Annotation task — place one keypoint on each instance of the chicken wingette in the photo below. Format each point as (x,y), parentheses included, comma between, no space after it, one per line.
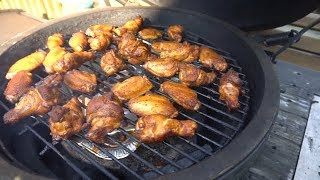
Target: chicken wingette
(52,58)
(55,40)
(99,29)
(81,81)
(150,34)
(210,58)
(150,104)
(162,67)
(111,64)
(156,128)
(230,89)
(99,42)
(182,95)
(66,120)
(175,33)
(27,63)
(190,75)
(79,41)
(186,53)
(132,26)
(18,86)
(165,46)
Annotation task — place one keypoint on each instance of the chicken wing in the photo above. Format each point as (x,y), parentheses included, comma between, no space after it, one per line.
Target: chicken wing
(150,34)
(55,40)
(175,33)
(66,120)
(79,41)
(182,95)
(156,128)
(104,114)
(165,46)
(52,58)
(111,64)
(99,42)
(193,76)
(96,30)
(18,86)
(210,58)
(132,26)
(186,53)
(162,67)
(38,100)
(132,87)
(81,81)
(152,104)
(27,63)
(230,89)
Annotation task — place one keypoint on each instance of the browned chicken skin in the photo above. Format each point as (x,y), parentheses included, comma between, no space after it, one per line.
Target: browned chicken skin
(165,46)
(150,34)
(132,87)
(81,81)
(18,86)
(53,57)
(152,104)
(111,64)
(162,67)
(99,42)
(210,58)
(190,75)
(66,120)
(38,100)
(27,63)
(230,89)
(132,26)
(55,40)
(99,29)
(186,53)
(104,114)
(156,128)
(182,95)
(79,41)
(175,33)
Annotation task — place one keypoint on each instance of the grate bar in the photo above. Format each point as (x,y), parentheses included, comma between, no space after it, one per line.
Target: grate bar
(181,152)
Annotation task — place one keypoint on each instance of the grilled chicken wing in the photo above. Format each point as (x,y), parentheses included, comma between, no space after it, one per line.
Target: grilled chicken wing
(182,95)
(79,41)
(38,100)
(156,128)
(27,63)
(175,33)
(210,58)
(66,120)
(162,67)
(18,86)
(104,114)
(132,87)
(165,46)
(96,30)
(152,104)
(111,64)
(53,57)
(99,42)
(150,34)
(55,40)
(132,26)
(193,76)
(82,81)
(186,53)
(230,89)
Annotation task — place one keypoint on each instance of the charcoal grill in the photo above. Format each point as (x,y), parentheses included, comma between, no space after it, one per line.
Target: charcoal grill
(223,141)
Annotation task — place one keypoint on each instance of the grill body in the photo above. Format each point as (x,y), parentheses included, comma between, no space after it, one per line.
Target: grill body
(262,83)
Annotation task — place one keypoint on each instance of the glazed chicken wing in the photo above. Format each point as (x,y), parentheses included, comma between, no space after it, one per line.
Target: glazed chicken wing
(156,128)
(27,63)
(230,89)
(53,57)
(104,114)
(150,34)
(152,104)
(132,26)
(18,86)
(182,95)
(175,33)
(66,120)
(79,41)
(193,76)
(165,46)
(55,40)
(132,87)
(81,81)
(111,64)
(186,53)
(210,58)
(38,100)
(162,67)
(99,29)
(99,42)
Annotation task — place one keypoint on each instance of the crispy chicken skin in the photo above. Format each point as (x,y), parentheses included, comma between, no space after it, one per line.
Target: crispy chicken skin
(132,87)
(104,114)
(111,64)
(18,86)
(99,42)
(99,29)
(150,34)
(181,94)
(37,100)
(162,67)
(230,89)
(81,81)
(55,40)
(79,41)
(190,75)
(175,33)
(152,104)
(132,26)
(53,57)
(165,46)
(210,58)
(186,53)
(66,120)
(27,63)
(156,128)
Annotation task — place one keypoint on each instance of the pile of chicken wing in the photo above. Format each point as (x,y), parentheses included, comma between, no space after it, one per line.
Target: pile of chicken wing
(105,113)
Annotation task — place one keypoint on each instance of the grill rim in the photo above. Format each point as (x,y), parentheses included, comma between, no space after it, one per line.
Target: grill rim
(248,139)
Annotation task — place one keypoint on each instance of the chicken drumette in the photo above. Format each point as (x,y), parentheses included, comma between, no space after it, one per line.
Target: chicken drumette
(99,29)
(150,34)
(81,81)
(162,67)
(132,26)
(99,42)
(111,64)
(55,40)
(79,41)
(230,89)
(193,76)
(210,58)
(18,86)
(175,33)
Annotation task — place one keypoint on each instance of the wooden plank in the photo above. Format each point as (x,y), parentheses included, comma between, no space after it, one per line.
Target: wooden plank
(305,21)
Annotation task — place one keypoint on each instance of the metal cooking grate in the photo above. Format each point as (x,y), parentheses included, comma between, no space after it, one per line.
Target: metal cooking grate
(217,126)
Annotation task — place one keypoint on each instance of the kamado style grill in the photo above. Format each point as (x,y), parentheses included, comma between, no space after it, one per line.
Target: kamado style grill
(224,138)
